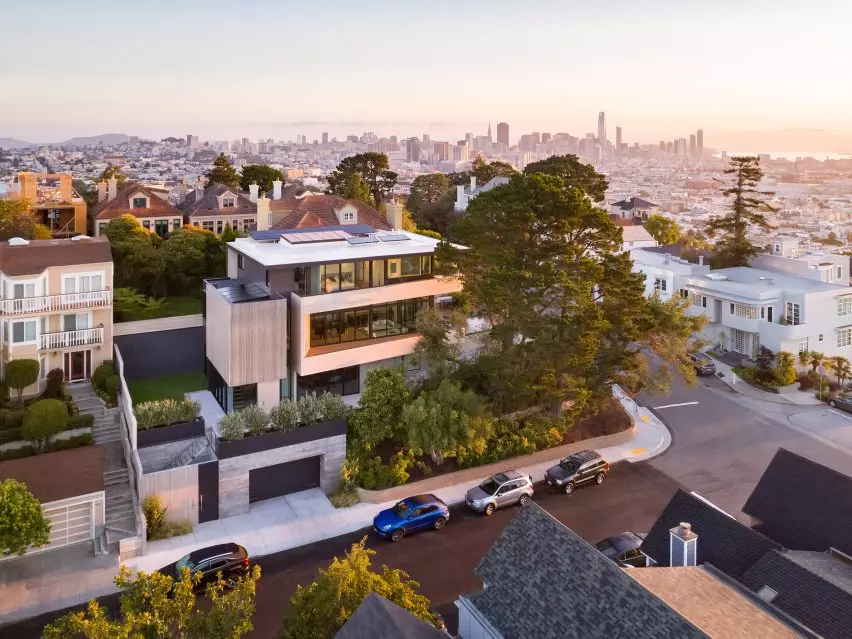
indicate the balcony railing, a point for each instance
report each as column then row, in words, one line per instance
column 84, row 337
column 55, row 303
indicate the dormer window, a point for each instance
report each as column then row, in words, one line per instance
column 139, row 203
column 348, row 216
column 228, row 202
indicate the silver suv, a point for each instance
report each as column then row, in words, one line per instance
column 502, row 489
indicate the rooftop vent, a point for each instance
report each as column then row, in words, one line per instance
column 767, row 594
column 716, row 277
column 18, row 241
column 77, row 238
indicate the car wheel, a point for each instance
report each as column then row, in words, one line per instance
column 569, row 488
column 832, row 403
column 489, row 509
column 440, row 522
column 397, row 534
column 600, row 478
column 524, row 500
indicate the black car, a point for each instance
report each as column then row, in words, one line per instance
column 703, row 363
column 624, row 550
column 843, row 403
column 585, row 467
column 232, row 560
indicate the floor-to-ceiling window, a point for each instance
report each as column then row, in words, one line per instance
column 371, row 322
column 343, row 381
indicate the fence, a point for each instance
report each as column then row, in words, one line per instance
column 178, row 490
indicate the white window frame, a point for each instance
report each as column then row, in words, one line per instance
column 25, row 342
column 745, row 310
column 838, row 271
column 844, row 337
column 348, row 216
column 229, row 202
column 77, row 277
column 88, row 317
column 844, row 306
column 791, row 309
column 803, row 345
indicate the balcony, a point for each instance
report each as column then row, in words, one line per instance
column 56, row 303
column 84, row 337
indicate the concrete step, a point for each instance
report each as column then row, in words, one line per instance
column 100, row 441
column 106, row 430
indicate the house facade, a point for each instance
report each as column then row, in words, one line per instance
column 53, row 200
column 56, row 305
column 635, row 209
column 153, row 212
column 214, row 207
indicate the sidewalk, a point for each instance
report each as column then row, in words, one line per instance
column 798, row 398
column 269, row 527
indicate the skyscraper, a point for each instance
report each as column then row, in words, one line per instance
column 503, row 133
column 325, row 137
column 545, row 138
column 602, row 128
column 692, row 147
column 618, row 139
column 489, row 133
column 412, row 150
column 700, row 137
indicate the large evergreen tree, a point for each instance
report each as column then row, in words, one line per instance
column 734, row 247
column 223, row 172
column 261, row 174
column 374, row 170
column 573, row 173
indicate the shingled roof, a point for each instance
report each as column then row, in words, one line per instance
column 38, row 255
column 635, row 203
column 314, row 211
column 542, row 581
column 814, row 588
column 209, row 204
column 723, row 542
column 378, row 617
column 802, row 504
column 120, row 204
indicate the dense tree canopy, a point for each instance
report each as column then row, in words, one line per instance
column 662, row 229
column 17, row 220
column 223, row 172
column 573, row 173
column 22, row 521
column 483, row 172
column 113, row 171
column 353, row 187
column 431, row 201
column 380, row 406
column 261, row 175
column 374, row 170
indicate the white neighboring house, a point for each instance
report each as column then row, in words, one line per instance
column 749, row 307
column 465, row 194
column 636, row 237
column 634, row 209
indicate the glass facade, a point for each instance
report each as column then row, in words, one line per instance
column 370, row 322
column 348, row 276
column 343, row 381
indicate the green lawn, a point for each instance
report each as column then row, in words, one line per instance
column 169, row 307
column 173, row 386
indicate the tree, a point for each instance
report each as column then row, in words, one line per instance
column 439, row 421
column 17, row 220
column 43, row 420
column 815, row 360
column 662, row 229
column 112, row 172
column 230, row 234
column 573, row 173
column 155, row 605
column 138, row 262
column 223, row 172
column 260, row 174
column 840, row 366
column 785, row 368
column 190, row 254
column 129, row 304
column 22, row 521
column 484, row 172
column 320, row 610
column 434, row 345
column 734, row 247
column 380, row 406
column 374, row 170
column 426, row 189
column 21, row 373
column 353, row 187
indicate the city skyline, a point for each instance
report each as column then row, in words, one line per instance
column 555, row 84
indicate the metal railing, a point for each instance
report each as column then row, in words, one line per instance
column 187, row 454
column 50, row 303
column 83, row 337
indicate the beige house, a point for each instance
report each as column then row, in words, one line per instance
column 152, row 211
column 214, row 207
column 56, row 305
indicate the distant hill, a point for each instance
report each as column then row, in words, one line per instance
column 107, row 139
column 12, row 143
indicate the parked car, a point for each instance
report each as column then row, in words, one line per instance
column 232, row 560
column 420, row 512
column 585, row 467
column 843, row 403
column 624, row 550
column 502, row 489
column 703, row 363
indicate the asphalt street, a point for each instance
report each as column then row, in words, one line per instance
column 443, row 562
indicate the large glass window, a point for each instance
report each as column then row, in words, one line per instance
column 378, row 272
column 411, row 266
column 362, row 323
column 379, row 321
column 343, row 381
column 318, row 330
column 382, row 320
column 330, row 278
column 347, row 276
column 426, row 264
column 23, row 332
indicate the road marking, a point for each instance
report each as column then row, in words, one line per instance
column 637, row 451
column 645, row 419
column 675, row 405
column 831, row 410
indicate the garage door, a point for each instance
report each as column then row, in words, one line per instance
column 283, row 479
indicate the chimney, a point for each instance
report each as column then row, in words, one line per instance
column 276, row 189
column 181, row 193
column 700, row 260
column 683, row 546
column 112, row 188
column 253, row 189
column 102, row 191
column 263, row 212
column 394, row 212
column 472, row 183
column 199, row 190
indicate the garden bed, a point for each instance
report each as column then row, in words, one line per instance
column 167, row 387
column 249, row 444
column 171, row 433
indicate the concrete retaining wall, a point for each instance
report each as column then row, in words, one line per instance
column 481, row 472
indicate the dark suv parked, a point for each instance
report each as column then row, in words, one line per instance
column 231, row 560
column 703, row 363
column 585, row 467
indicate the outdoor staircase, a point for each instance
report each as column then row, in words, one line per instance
column 195, row 448
column 106, row 432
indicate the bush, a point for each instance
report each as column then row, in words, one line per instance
column 155, row 515
column 231, row 426
column 99, row 377
column 43, row 420
column 72, row 442
column 15, row 418
column 256, row 419
column 332, row 407
column 10, row 435
column 310, row 409
column 165, row 412
column 54, row 384
column 21, row 373
column 345, row 495
column 111, row 385
column 373, row 474
column 285, row 416
column 17, row 453
column 823, row 396
column 509, row 440
column 785, row 369
column 86, row 420
column 3, row 413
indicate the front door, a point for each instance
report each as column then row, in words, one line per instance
column 78, row 366
column 208, row 491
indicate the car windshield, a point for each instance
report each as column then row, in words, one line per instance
column 568, row 465
column 401, row 510
column 185, row 562
column 489, row 486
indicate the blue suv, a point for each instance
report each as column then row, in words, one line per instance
column 412, row 513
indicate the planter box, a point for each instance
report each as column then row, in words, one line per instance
column 173, row 433
column 276, row 439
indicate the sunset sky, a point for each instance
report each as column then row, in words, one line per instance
column 254, row 68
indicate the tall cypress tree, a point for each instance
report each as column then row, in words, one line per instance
column 734, row 248
column 223, row 172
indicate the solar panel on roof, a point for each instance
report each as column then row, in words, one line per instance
column 393, row 237
column 315, row 236
column 363, row 240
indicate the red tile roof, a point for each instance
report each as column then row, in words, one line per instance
column 319, row 210
column 120, row 205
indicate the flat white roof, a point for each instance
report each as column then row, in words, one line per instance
column 674, row 264
column 745, row 281
column 282, row 253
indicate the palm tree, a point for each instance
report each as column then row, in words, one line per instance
column 804, row 359
column 816, row 359
column 840, row 366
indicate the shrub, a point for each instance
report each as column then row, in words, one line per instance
column 310, row 409
column 345, row 495
column 785, row 369
column 179, row 528
column 256, row 419
column 824, row 395
column 85, row 420
column 155, row 515
column 54, row 384
column 15, row 418
column 72, row 442
column 104, row 370
column 164, row 412
column 285, row 416
column 17, row 453
column 10, row 435
column 21, row 373
column 43, row 420
column 373, row 474
column 231, row 426
column 332, row 407
column 3, row 413
column 111, row 384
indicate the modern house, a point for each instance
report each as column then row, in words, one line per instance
column 465, row 194
column 53, row 200
column 152, row 211
column 56, row 304
column 214, row 207
column 310, row 310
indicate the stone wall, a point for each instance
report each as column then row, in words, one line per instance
column 234, row 472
